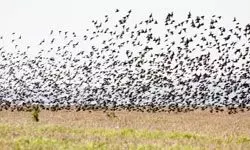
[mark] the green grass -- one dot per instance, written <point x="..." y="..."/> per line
<point x="59" y="137"/>
<point x="98" y="131"/>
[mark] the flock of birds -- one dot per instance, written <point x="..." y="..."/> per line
<point x="151" y="65"/>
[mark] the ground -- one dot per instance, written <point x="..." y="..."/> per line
<point x="124" y="130"/>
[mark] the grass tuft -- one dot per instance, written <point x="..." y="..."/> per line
<point x="35" y="113"/>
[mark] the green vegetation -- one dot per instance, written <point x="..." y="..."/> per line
<point x="35" y="113"/>
<point x="101" y="132"/>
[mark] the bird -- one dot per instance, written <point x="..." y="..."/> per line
<point x="192" y="65"/>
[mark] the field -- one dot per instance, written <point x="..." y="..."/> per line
<point x="124" y="130"/>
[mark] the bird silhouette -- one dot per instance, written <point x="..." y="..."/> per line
<point x="193" y="64"/>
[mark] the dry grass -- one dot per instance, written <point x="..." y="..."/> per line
<point x="124" y="130"/>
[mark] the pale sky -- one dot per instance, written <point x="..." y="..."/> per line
<point x="35" y="18"/>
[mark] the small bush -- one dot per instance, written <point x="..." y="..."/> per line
<point x="111" y="115"/>
<point x="35" y="113"/>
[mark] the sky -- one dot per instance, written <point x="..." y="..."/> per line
<point x="35" y="18"/>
